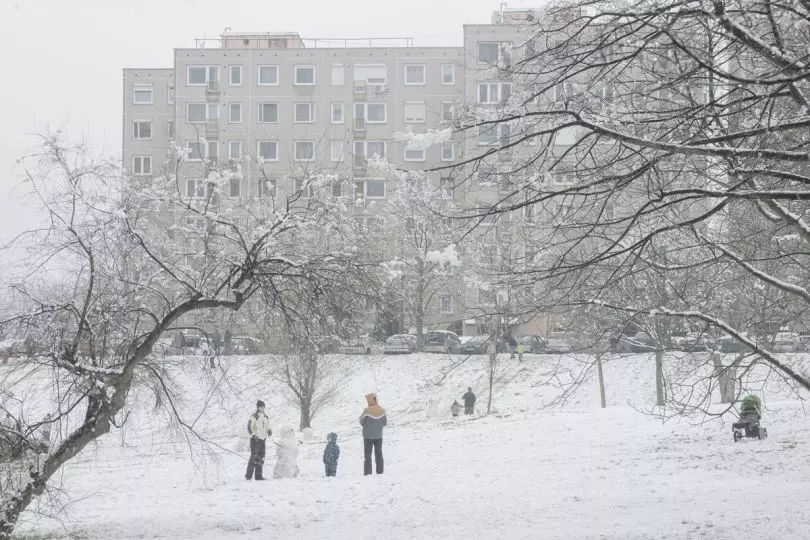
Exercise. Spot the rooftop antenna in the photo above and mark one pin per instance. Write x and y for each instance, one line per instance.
(227, 29)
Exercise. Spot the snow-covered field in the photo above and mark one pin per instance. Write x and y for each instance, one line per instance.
(571, 471)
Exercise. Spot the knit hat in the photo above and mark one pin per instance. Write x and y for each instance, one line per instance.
(332, 437)
(259, 403)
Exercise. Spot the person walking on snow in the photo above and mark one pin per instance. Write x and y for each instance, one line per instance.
(258, 427)
(455, 407)
(373, 421)
(469, 401)
(331, 454)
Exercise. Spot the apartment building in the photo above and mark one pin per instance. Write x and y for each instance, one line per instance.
(273, 105)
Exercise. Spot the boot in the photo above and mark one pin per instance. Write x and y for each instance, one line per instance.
(259, 473)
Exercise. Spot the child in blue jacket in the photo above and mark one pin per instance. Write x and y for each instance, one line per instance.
(331, 454)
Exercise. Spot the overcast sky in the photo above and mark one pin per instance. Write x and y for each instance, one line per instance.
(63, 58)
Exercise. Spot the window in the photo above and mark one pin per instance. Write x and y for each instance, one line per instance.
(235, 113)
(337, 188)
(415, 74)
(234, 187)
(268, 113)
(304, 113)
(195, 188)
(414, 154)
(447, 111)
(494, 134)
(493, 93)
(448, 151)
(564, 177)
(305, 75)
(336, 151)
(337, 75)
(414, 112)
(490, 52)
(266, 188)
(268, 150)
(446, 304)
(235, 150)
(563, 91)
(268, 75)
(448, 74)
(372, 188)
(236, 76)
(141, 165)
(170, 129)
(304, 150)
(304, 187)
(371, 73)
(213, 151)
(337, 113)
(142, 94)
(170, 94)
(365, 150)
(142, 129)
(528, 213)
(196, 150)
(196, 113)
(202, 75)
(369, 113)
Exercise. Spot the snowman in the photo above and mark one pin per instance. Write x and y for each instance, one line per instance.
(286, 455)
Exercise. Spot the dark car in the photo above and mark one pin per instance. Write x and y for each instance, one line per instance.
(476, 345)
(533, 344)
(442, 341)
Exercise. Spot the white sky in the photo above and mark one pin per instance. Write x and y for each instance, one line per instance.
(62, 59)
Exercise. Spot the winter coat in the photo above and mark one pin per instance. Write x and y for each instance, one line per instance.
(259, 426)
(455, 407)
(331, 453)
(469, 399)
(373, 419)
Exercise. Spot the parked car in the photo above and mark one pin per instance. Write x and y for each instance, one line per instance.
(400, 344)
(442, 341)
(693, 342)
(476, 345)
(786, 342)
(639, 342)
(245, 345)
(533, 344)
(357, 345)
(728, 344)
(559, 345)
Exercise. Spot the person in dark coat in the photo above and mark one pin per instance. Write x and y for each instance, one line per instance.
(469, 401)
(258, 427)
(373, 421)
(455, 408)
(331, 454)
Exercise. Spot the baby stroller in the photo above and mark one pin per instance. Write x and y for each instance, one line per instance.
(748, 424)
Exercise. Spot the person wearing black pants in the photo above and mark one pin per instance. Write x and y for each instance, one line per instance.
(376, 444)
(259, 429)
(373, 421)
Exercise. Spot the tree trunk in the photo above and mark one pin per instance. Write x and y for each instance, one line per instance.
(492, 359)
(722, 377)
(602, 399)
(660, 395)
(306, 415)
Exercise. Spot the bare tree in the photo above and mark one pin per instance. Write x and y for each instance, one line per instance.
(125, 262)
(669, 146)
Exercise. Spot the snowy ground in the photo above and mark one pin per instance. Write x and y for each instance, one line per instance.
(573, 471)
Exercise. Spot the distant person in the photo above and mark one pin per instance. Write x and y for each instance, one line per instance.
(455, 408)
(373, 421)
(259, 429)
(469, 401)
(331, 454)
(520, 349)
(510, 344)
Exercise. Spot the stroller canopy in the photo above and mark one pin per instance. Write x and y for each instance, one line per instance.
(751, 404)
